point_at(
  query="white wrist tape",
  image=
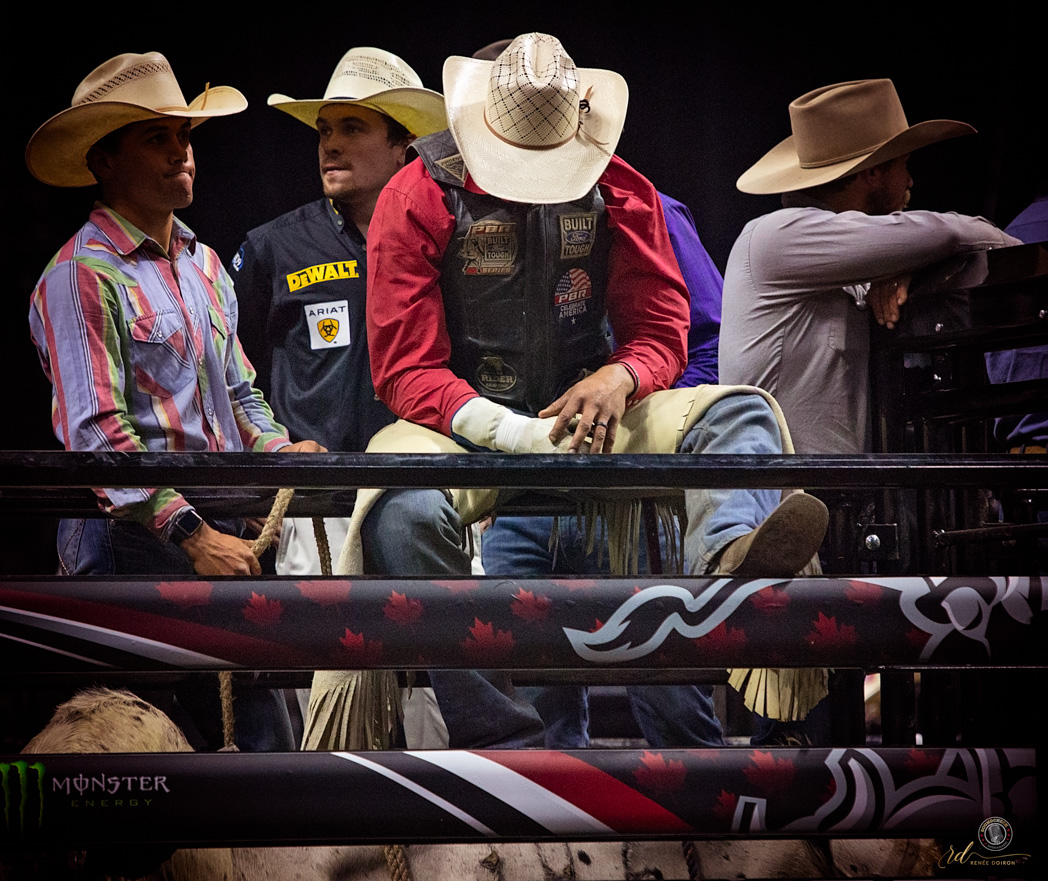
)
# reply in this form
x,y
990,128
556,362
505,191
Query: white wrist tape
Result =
x,y
510,434
478,420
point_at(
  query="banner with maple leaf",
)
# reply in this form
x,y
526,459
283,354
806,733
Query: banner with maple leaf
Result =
x,y
73,624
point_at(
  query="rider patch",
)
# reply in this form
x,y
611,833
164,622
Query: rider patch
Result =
x,y
455,166
495,375
573,293
577,232
489,248
328,324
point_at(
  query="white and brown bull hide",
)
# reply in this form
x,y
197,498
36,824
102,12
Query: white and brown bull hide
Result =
x,y
101,720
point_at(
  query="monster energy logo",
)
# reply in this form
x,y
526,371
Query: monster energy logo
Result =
x,y
8,772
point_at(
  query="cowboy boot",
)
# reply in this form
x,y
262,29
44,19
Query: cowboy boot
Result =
x,y
782,545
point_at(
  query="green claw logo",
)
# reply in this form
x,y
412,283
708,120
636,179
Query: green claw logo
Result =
x,y
7,780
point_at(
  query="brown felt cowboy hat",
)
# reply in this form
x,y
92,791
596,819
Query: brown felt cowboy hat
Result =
x,y
125,89
380,81
841,129
531,126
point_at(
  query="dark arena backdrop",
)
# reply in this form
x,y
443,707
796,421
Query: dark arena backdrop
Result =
x,y
708,96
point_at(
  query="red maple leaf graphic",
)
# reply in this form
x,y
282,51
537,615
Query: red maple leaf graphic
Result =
x,y
326,593
722,637
827,633
864,592
725,805
917,638
361,651
484,645
829,792
922,762
530,607
771,600
261,611
658,775
400,610
459,586
768,773
186,593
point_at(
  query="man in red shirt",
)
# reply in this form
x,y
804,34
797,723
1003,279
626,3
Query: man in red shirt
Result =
x,y
497,262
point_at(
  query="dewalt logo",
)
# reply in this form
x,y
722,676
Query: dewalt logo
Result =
x,y
322,272
23,788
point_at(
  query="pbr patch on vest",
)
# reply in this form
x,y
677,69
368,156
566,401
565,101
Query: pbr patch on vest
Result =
x,y
577,232
572,296
328,324
495,375
489,248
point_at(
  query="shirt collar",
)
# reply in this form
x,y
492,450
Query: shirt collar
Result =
x,y
340,222
126,238
800,199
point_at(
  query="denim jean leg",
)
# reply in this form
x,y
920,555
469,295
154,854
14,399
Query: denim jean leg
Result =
x,y
676,715
519,547
480,710
84,547
735,425
668,715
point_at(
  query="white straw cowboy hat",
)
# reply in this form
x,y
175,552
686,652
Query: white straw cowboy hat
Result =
x,y
841,129
380,81
531,126
125,89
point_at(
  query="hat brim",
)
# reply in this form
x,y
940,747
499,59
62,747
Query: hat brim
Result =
x,y
420,111
519,174
780,171
57,152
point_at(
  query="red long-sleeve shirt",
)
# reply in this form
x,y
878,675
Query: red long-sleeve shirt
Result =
x,y
407,335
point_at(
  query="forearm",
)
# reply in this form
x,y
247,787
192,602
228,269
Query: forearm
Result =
x,y
816,248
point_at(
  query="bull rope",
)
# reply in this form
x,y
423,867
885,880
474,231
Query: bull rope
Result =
x,y
396,855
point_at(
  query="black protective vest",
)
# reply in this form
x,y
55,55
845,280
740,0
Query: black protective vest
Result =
x,y
524,287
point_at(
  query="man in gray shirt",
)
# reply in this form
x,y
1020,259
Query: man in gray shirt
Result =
x,y
800,281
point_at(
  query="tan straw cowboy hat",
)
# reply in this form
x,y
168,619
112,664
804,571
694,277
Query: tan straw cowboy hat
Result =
x,y
531,126
841,129
380,81
125,89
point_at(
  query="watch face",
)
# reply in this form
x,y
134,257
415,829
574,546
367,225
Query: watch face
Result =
x,y
186,523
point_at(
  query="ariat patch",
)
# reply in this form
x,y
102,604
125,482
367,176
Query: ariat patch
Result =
x,y
572,296
455,166
322,272
495,375
577,232
490,248
328,324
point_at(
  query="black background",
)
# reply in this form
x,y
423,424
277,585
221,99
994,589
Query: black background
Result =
x,y
708,96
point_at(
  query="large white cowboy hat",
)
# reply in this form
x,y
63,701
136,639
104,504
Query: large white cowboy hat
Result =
x,y
380,81
531,126
125,89
841,129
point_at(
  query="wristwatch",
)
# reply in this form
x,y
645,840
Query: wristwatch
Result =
x,y
187,523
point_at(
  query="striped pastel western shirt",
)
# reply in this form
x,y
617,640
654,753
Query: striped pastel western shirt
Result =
x,y
140,347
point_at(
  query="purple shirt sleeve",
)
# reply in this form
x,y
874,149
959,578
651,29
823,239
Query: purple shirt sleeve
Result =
x,y
704,287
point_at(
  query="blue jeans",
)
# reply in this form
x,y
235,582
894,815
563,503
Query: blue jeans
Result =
x,y
483,710
100,546
668,716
